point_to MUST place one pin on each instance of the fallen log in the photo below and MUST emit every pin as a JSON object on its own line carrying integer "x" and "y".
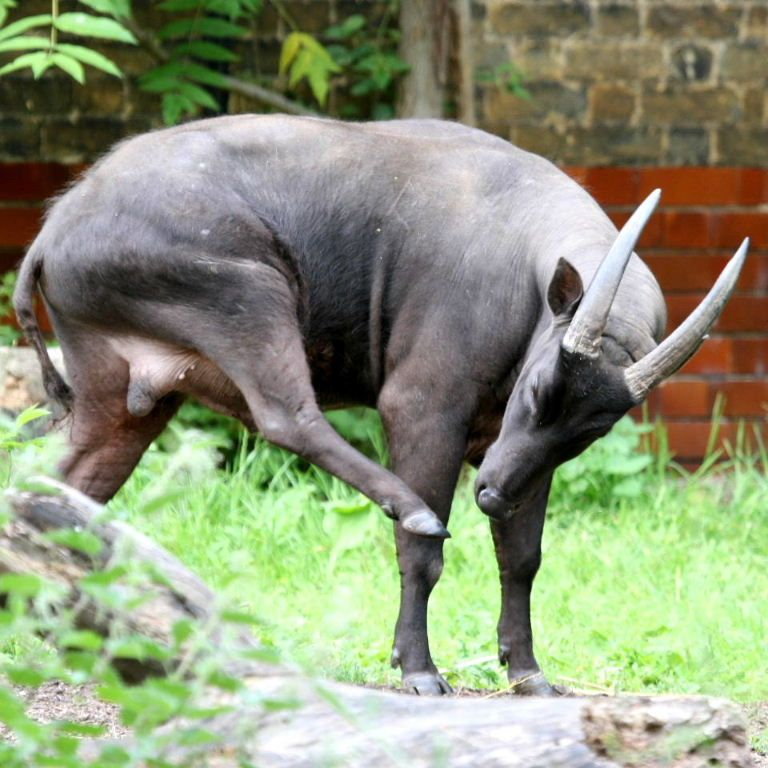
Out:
{"x": 337, "y": 724}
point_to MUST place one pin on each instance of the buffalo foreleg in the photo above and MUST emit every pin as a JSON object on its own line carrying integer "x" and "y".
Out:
{"x": 518, "y": 551}
{"x": 427, "y": 449}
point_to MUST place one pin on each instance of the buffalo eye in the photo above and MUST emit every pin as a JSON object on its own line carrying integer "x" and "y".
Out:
{"x": 548, "y": 400}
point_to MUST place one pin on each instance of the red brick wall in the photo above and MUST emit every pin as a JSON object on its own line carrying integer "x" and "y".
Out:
{"x": 704, "y": 215}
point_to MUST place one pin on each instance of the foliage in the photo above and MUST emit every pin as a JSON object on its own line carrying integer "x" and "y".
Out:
{"x": 37, "y": 608}
{"x": 46, "y": 51}
{"x": 614, "y": 468}
{"x": 194, "y": 61}
{"x": 655, "y": 590}
{"x": 303, "y": 57}
{"x": 507, "y": 76}
{"x": 370, "y": 63}
{"x": 9, "y": 335}
{"x": 194, "y": 50}
{"x": 15, "y": 440}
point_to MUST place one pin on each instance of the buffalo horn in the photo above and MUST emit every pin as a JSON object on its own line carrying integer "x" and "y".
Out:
{"x": 586, "y": 328}
{"x": 678, "y": 347}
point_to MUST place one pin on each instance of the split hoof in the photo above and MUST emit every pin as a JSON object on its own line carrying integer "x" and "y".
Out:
{"x": 535, "y": 684}
{"x": 426, "y": 684}
{"x": 425, "y": 523}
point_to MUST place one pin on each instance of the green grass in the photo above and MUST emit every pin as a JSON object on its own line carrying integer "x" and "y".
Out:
{"x": 651, "y": 581}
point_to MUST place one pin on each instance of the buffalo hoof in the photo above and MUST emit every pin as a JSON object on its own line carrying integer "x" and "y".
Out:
{"x": 535, "y": 684}
{"x": 426, "y": 684}
{"x": 425, "y": 523}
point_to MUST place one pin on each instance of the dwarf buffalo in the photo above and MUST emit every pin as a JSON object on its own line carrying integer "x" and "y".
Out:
{"x": 272, "y": 267}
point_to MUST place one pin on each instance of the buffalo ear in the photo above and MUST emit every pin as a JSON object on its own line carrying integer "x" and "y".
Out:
{"x": 565, "y": 289}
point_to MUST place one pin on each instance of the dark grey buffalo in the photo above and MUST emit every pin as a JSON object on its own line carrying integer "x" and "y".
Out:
{"x": 273, "y": 266}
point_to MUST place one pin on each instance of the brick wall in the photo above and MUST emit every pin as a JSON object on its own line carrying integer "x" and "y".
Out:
{"x": 640, "y": 82}
{"x": 705, "y": 213}
{"x": 670, "y": 93}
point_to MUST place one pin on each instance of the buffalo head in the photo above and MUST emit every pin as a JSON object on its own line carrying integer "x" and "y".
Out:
{"x": 575, "y": 383}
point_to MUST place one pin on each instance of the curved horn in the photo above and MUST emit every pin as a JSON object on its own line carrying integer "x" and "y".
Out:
{"x": 678, "y": 347}
{"x": 583, "y": 334}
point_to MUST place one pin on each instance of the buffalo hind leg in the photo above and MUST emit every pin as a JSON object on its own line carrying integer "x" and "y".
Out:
{"x": 266, "y": 360}
{"x": 518, "y": 551}
{"x": 427, "y": 448}
{"x": 106, "y": 442}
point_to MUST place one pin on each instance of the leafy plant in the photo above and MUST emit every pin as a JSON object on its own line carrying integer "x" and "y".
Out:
{"x": 46, "y": 51}
{"x": 34, "y": 606}
{"x": 14, "y": 436}
{"x": 195, "y": 45}
{"x": 194, "y": 52}
{"x": 612, "y": 469}
{"x": 304, "y": 58}
{"x": 507, "y": 76}
{"x": 370, "y": 63}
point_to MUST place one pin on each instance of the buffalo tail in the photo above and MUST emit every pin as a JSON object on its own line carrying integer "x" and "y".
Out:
{"x": 24, "y": 304}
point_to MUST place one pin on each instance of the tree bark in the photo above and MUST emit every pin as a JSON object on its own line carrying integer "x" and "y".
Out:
{"x": 424, "y": 46}
{"x": 465, "y": 62}
{"x": 338, "y": 724}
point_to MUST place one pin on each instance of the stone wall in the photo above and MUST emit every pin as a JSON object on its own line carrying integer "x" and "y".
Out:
{"x": 630, "y": 82}
{"x": 641, "y": 82}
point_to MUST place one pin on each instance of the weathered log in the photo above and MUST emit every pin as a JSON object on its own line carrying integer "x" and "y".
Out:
{"x": 340, "y": 724}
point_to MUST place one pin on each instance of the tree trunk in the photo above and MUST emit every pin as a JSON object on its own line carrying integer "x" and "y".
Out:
{"x": 339, "y": 724}
{"x": 424, "y": 46}
{"x": 465, "y": 62}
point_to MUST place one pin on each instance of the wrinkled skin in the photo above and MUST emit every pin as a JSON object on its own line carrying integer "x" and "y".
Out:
{"x": 272, "y": 267}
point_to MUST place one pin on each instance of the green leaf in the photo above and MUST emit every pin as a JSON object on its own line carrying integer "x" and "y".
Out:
{"x": 196, "y": 95}
{"x": 290, "y": 49}
{"x": 182, "y": 630}
{"x": 24, "y": 43}
{"x": 205, "y": 26}
{"x": 175, "y": 105}
{"x": 202, "y": 74}
{"x": 239, "y": 617}
{"x": 22, "y": 25}
{"x": 84, "y": 639}
{"x": 5, "y": 6}
{"x": 40, "y": 62}
{"x": 82, "y": 729}
{"x": 138, "y": 648}
{"x": 180, "y": 5}
{"x": 347, "y": 28}
{"x": 30, "y": 414}
{"x": 22, "y": 584}
{"x": 94, "y": 26}
{"x": 69, "y": 65}
{"x": 628, "y": 465}
{"x": 82, "y": 541}
{"x": 28, "y": 676}
{"x": 203, "y": 49}
{"x": 90, "y": 57}
{"x": 117, "y": 8}
{"x": 158, "y": 84}
{"x": 320, "y": 83}
{"x": 11, "y": 709}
